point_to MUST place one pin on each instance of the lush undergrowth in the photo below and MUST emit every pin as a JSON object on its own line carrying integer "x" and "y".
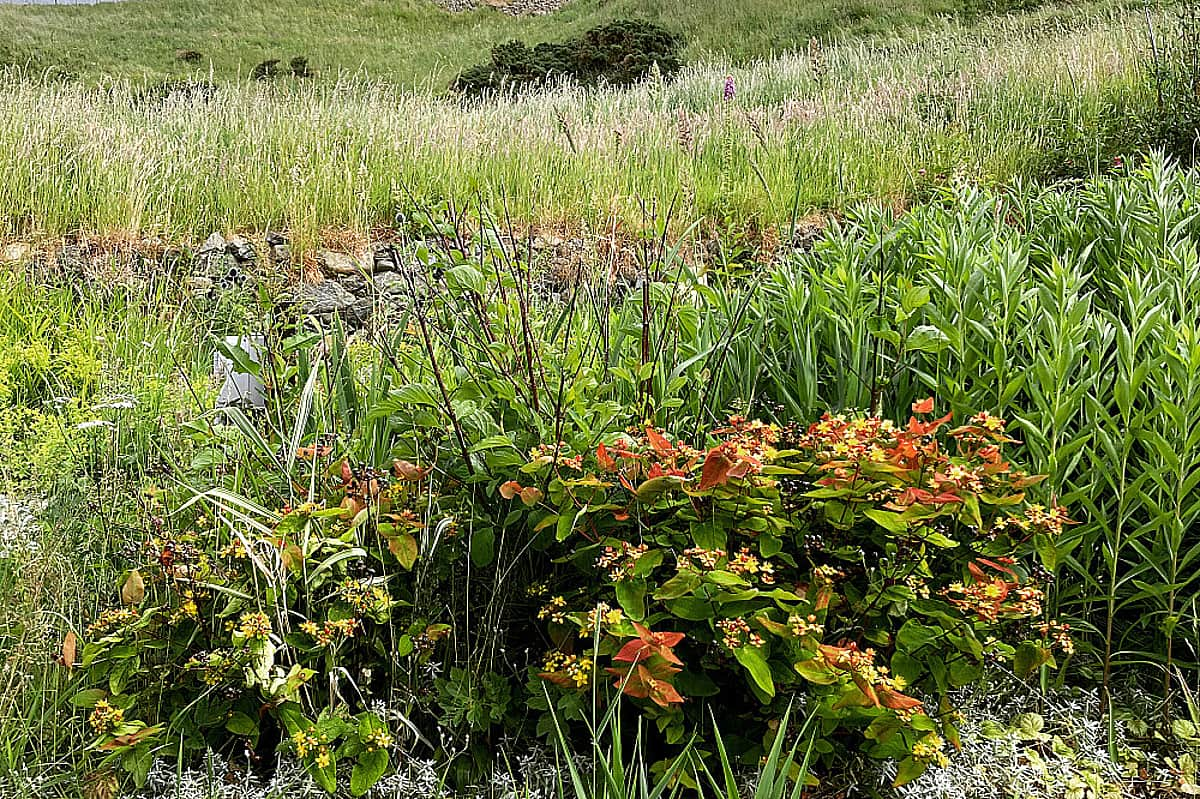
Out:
{"x": 1044, "y": 94}
{"x": 448, "y": 464}
{"x": 409, "y": 42}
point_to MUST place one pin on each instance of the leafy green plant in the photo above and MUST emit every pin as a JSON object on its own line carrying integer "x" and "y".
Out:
{"x": 797, "y": 562}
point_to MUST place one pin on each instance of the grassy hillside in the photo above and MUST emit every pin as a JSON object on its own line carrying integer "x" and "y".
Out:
{"x": 406, "y": 41}
{"x": 1031, "y": 96}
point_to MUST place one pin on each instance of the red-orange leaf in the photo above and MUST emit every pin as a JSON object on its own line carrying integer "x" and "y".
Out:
{"x": 891, "y": 698}
{"x": 716, "y": 469}
{"x": 510, "y": 489}
{"x": 659, "y": 442}
{"x": 406, "y": 470}
{"x": 604, "y": 459}
{"x": 923, "y": 406}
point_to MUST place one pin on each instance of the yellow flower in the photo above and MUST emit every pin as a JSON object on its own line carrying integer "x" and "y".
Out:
{"x": 105, "y": 717}
{"x": 254, "y": 626}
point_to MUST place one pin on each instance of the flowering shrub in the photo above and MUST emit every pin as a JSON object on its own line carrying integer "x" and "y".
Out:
{"x": 871, "y": 566}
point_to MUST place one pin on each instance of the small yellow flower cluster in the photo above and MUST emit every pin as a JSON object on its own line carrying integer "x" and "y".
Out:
{"x": 554, "y": 610}
{"x": 963, "y": 478}
{"x": 234, "y": 550}
{"x": 1038, "y": 519}
{"x": 112, "y": 619}
{"x": 1059, "y": 635}
{"x": 931, "y": 749}
{"x": 993, "y": 424}
{"x": 538, "y": 588}
{"x": 576, "y": 669}
{"x": 105, "y": 717}
{"x": 308, "y": 741}
{"x": 364, "y": 597}
{"x": 254, "y": 626}
{"x": 329, "y": 632}
{"x": 621, "y": 563}
{"x": 188, "y": 608}
{"x": 747, "y": 565}
{"x": 378, "y": 738}
{"x": 548, "y": 453}
{"x": 696, "y": 557}
{"x": 598, "y": 617}
{"x": 736, "y": 633}
{"x": 801, "y": 626}
{"x": 917, "y": 585}
{"x": 214, "y": 667}
{"x": 825, "y": 575}
{"x": 842, "y": 438}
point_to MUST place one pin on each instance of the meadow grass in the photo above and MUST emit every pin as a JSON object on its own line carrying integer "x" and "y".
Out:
{"x": 408, "y": 42}
{"x": 888, "y": 120}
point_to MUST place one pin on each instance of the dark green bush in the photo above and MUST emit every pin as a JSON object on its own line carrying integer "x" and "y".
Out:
{"x": 618, "y": 53}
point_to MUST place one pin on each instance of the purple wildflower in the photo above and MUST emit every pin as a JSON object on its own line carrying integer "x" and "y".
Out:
{"x": 730, "y": 89}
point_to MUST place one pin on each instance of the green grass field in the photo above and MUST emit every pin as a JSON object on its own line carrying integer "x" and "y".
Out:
{"x": 411, "y": 42}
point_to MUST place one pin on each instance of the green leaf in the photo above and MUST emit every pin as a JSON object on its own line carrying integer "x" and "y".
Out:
{"x": 752, "y": 659}
{"x": 137, "y": 761}
{"x": 816, "y": 672}
{"x": 367, "y": 771}
{"x": 927, "y": 338}
{"x": 631, "y": 595}
{"x": 690, "y": 608}
{"x": 1029, "y": 657}
{"x": 908, "y": 770}
{"x": 483, "y": 546}
{"x": 325, "y": 777}
{"x": 241, "y": 724}
{"x": 887, "y": 520}
{"x": 88, "y": 698}
{"x": 684, "y": 582}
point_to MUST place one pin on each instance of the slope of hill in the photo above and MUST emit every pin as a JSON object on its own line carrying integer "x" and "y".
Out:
{"x": 410, "y": 42}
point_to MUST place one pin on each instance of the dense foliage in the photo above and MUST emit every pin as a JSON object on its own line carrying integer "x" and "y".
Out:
{"x": 400, "y": 555}
{"x": 617, "y": 53}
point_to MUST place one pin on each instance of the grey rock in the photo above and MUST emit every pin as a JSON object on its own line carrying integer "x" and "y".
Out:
{"x": 383, "y": 260}
{"x": 213, "y": 244}
{"x": 329, "y": 298}
{"x": 340, "y": 263}
{"x": 242, "y": 250}
{"x": 390, "y": 285}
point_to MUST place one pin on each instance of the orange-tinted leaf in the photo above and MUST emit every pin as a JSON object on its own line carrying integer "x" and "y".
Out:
{"x": 130, "y": 739}
{"x": 134, "y": 589}
{"x": 868, "y": 690}
{"x": 406, "y": 470}
{"x": 69, "y": 646}
{"x": 923, "y": 406}
{"x": 530, "y": 496}
{"x": 716, "y": 469}
{"x": 633, "y": 652}
{"x": 510, "y": 489}
{"x": 741, "y": 468}
{"x": 895, "y": 700}
{"x": 604, "y": 459}
{"x": 405, "y": 548}
{"x": 659, "y": 442}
